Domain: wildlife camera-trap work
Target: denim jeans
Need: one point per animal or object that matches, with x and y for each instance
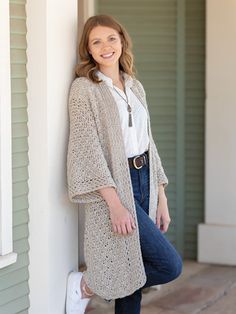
(161, 261)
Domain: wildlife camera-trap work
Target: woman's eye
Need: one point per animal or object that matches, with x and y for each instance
(96, 42)
(112, 38)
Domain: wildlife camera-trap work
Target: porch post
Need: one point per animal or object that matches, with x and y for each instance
(53, 224)
(217, 235)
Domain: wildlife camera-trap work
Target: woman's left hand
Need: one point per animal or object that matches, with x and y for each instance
(163, 218)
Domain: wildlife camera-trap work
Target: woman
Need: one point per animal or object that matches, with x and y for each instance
(116, 176)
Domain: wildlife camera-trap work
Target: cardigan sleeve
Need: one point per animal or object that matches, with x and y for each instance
(161, 176)
(87, 169)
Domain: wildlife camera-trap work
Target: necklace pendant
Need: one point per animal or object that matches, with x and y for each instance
(130, 120)
(128, 107)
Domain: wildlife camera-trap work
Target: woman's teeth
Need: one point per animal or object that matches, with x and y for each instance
(107, 55)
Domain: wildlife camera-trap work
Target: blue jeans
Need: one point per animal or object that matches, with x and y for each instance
(161, 261)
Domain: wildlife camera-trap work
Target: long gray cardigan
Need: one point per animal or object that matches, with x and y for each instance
(96, 158)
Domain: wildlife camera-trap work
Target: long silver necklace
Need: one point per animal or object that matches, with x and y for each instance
(130, 124)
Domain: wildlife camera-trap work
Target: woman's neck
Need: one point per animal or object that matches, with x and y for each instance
(115, 75)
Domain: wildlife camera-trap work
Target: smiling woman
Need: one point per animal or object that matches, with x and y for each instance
(115, 174)
(99, 39)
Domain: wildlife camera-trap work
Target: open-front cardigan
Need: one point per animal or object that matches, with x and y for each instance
(96, 158)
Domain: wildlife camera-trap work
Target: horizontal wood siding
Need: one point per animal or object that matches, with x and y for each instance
(194, 124)
(14, 287)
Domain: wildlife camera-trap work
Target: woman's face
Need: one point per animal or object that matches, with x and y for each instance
(105, 47)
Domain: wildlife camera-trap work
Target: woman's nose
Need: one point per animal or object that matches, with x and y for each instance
(105, 44)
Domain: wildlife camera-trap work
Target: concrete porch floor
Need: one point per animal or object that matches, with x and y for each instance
(202, 288)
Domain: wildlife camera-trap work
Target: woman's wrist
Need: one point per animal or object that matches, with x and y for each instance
(161, 192)
(111, 197)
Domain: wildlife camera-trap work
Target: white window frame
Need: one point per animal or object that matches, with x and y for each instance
(7, 256)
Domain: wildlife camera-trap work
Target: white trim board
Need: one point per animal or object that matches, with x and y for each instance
(7, 257)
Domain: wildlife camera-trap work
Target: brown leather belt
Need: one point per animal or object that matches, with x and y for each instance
(139, 161)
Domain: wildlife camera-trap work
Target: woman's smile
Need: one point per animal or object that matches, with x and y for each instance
(107, 55)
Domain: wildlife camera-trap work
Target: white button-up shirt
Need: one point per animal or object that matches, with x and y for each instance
(136, 138)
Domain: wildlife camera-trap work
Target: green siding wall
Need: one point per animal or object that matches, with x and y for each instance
(14, 288)
(195, 122)
(168, 38)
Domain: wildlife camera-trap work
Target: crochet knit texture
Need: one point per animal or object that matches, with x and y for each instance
(96, 158)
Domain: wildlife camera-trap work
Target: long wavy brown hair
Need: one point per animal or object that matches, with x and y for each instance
(87, 66)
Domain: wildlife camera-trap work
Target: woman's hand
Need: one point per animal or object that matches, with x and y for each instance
(122, 221)
(163, 218)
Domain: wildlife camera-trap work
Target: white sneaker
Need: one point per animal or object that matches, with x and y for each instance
(74, 302)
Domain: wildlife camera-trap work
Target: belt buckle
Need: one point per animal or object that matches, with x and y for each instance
(134, 163)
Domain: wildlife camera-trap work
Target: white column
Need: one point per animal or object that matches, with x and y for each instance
(217, 237)
(53, 226)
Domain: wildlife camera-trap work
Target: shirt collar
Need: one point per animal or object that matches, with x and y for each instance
(127, 78)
